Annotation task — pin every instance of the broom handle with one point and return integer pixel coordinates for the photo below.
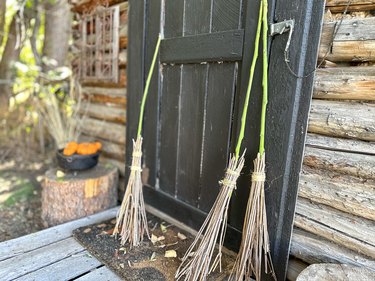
(265, 77)
(145, 93)
(251, 76)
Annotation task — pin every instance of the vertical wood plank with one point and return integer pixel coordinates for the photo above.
(218, 119)
(197, 17)
(135, 72)
(251, 138)
(191, 107)
(219, 105)
(174, 16)
(197, 20)
(289, 102)
(169, 117)
(151, 117)
(169, 110)
(226, 14)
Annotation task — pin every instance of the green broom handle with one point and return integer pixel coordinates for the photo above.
(265, 77)
(145, 93)
(252, 69)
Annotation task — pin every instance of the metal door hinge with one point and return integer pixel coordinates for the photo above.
(280, 28)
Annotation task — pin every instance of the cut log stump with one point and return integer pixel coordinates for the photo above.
(78, 194)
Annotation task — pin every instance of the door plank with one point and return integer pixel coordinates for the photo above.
(151, 117)
(218, 119)
(169, 117)
(192, 100)
(203, 47)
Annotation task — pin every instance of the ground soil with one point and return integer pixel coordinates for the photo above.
(21, 173)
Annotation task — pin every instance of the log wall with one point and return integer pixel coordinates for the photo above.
(103, 107)
(335, 213)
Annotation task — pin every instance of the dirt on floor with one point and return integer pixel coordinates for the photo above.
(155, 260)
(21, 174)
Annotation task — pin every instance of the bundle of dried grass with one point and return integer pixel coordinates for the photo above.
(255, 238)
(196, 264)
(132, 214)
(62, 120)
(131, 221)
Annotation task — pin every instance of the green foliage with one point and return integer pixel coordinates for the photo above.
(23, 191)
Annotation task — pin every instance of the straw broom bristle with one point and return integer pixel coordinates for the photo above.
(131, 222)
(255, 238)
(197, 262)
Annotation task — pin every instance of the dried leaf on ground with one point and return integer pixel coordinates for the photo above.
(170, 254)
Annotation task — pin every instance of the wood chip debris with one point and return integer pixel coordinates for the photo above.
(181, 236)
(155, 238)
(87, 230)
(60, 174)
(153, 257)
(170, 254)
(102, 225)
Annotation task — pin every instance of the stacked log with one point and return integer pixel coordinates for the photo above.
(335, 212)
(103, 103)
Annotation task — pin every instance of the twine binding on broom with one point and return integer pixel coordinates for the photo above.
(197, 262)
(131, 218)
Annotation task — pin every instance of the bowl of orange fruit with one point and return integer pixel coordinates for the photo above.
(79, 156)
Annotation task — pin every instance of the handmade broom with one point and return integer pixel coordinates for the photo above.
(255, 238)
(131, 221)
(197, 262)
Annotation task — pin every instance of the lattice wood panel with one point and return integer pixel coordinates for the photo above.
(100, 45)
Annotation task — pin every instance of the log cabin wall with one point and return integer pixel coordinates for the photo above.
(103, 108)
(335, 213)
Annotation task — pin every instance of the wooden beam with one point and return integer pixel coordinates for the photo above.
(105, 130)
(347, 193)
(81, 6)
(203, 47)
(339, 144)
(110, 149)
(345, 83)
(354, 41)
(123, 80)
(334, 272)
(295, 267)
(343, 162)
(103, 112)
(105, 95)
(119, 164)
(314, 249)
(343, 119)
(344, 229)
(339, 6)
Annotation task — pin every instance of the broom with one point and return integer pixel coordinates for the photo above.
(198, 260)
(131, 221)
(255, 238)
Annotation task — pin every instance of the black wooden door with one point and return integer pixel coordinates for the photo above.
(192, 115)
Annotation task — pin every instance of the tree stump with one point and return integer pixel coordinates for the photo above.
(78, 194)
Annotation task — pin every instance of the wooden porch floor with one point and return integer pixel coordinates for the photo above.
(53, 254)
